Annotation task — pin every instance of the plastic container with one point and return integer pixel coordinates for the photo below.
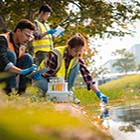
(57, 84)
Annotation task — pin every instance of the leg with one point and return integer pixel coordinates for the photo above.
(72, 76)
(43, 84)
(11, 81)
(71, 81)
(24, 62)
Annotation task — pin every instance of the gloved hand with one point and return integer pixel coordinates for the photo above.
(28, 70)
(37, 76)
(102, 97)
(51, 31)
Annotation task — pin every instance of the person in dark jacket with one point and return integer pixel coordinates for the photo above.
(13, 57)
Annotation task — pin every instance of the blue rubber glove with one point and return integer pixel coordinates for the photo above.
(28, 70)
(52, 31)
(102, 97)
(37, 76)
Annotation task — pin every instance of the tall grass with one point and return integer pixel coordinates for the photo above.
(35, 118)
(120, 91)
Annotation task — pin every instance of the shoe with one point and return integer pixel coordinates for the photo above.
(73, 98)
(76, 101)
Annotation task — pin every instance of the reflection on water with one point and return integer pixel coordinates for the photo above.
(123, 123)
(129, 114)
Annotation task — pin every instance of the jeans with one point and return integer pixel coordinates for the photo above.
(23, 62)
(43, 83)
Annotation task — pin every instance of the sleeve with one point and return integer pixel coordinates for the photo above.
(51, 63)
(86, 74)
(4, 61)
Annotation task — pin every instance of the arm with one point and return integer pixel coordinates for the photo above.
(5, 63)
(51, 64)
(90, 83)
(39, 35)
(14, 69)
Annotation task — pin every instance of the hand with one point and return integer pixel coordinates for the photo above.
(37, 76)
(102, 97)
(52, 31)
(28, 70)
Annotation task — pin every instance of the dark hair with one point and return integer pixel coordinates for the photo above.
(25, 24)
(45, 8)
(76, 40)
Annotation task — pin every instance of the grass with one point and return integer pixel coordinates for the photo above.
(124, 90)
(34, 118)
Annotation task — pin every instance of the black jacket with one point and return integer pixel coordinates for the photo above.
(3, 51)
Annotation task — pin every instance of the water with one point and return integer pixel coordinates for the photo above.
(123, 123)
(129, 114)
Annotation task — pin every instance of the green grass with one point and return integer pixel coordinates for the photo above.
(121, 91)
(34, 118)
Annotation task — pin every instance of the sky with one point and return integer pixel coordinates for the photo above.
(107, 46)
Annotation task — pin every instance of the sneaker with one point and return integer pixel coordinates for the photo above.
(76, 101)
(73, 98)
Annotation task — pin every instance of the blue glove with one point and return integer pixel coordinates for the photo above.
(102, 97)
(28, 70)
(52, 31)
(37, 76)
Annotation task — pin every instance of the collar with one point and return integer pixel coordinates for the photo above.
(16, 45)
(42, 21)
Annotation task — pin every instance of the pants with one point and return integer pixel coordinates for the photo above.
(23, 62)
(43, 83)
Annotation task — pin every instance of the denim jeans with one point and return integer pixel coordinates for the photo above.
(23, 62)
(43, 83)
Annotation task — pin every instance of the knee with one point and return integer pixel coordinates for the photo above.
(28, 57)
(25, 61)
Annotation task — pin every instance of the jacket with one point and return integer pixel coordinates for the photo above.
(46, 43)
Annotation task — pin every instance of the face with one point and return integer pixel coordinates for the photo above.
(45, 15)
(24, 36)
(75, 52)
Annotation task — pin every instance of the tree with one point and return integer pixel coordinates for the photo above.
(91, 17)
(125, 61)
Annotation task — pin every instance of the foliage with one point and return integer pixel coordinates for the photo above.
(125, 62)
(101, 71)
(91, 17)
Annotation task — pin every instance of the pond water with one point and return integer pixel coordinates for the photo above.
(123, 123)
